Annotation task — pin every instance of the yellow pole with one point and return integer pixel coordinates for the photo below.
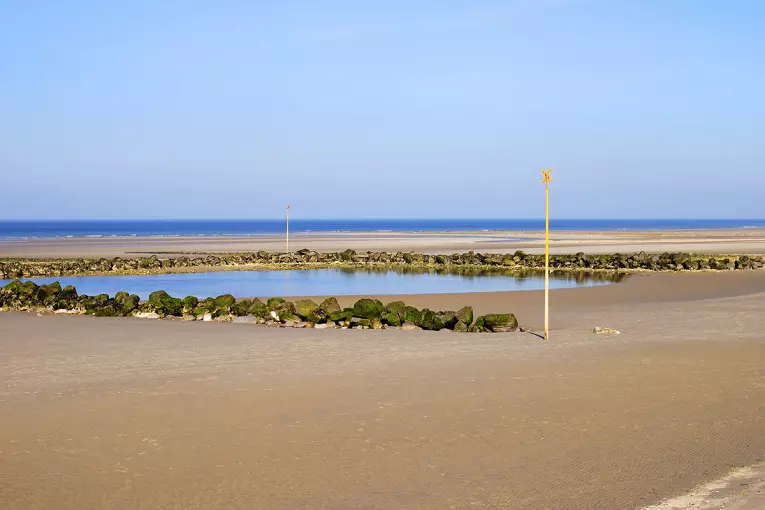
(547, 179)
(288, 229)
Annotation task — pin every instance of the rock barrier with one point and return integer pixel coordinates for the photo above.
(307, 259)
(366, 313)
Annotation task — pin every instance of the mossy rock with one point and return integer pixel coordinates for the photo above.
(448, 319)
(304, 308)
(348, 255)
(500, 322)
(164, 304)
(67, 298)
(342, 315)
(478, 326)
(285, 311)
(391, 319)
(48, 293)
(274, 302)
(366, 308)
(465, 314)
(125, 302)
(411, 314)
(429, 320)
(330, 305)
(241, 308)
(199, 311)
(189, 303)
(224, 301)
(92, 304)
(396, 307)
(258, 309)
(460, 327)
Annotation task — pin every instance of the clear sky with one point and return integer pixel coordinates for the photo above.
(393, 108)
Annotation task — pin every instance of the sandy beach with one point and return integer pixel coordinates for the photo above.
(129, 413)
(724, 241)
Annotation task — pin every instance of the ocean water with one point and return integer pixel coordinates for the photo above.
(29, 229)
(318, 282)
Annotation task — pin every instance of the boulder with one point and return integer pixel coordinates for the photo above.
(460, 327)
(304, 308)
(163, 304)
(241, 308)
(258, 309)
(391, 319)
(411, 314)
(368, 308)
(330, 306)
(224, 301)
(189, 303)
(465, 315)
(500, 322)
(125, 302)
(396, 307)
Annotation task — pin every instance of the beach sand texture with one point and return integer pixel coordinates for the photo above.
(125, 413)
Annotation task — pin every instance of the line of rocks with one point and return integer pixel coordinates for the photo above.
(366, 313)
(16, 268)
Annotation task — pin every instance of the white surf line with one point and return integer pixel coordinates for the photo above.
(741, 489)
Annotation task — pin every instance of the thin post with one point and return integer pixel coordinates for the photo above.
(288, 230)
(546, 180)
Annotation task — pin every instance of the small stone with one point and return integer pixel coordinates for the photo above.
(606, 331)
(322, 326)
(409, 326)
(247, 319)
(207, 317)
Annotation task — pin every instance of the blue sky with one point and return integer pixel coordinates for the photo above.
(394, 108)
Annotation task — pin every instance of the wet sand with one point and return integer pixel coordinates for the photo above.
(728, 241)
(125, 413)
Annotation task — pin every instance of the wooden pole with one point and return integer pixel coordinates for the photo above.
(288, 230)
(547, 179)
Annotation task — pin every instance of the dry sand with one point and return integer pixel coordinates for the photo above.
(699, 241)
(131, 414)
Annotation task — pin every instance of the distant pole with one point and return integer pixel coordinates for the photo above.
(547, 180)
(288, 229)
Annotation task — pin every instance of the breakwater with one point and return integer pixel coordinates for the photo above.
(307, 259)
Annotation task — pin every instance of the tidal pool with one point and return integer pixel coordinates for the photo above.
(327, 282)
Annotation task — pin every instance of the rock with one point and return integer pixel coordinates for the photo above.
(430, 321)
(323, 326)
(163, 304)
(189, 317)
(126, 302)
(285, 310)
(241, 308)
(146, 315)
(411, 314)
(207, 317)
(224, 301)
(258, 309)
(396, 307)
(461, 327)
(448, 319)
(342, 316)
(409, 326)
(249, 319)
(391, 319)
(304, 308)
(274, 316)
(368, 308)
(274, 302)
(500, 322)
(330, 306)
(605, 331)
(189, 303)
(465, 315)
(478, 326)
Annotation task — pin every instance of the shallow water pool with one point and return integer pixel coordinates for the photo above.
(324, 282)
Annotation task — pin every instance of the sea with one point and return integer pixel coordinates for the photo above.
(32, 229)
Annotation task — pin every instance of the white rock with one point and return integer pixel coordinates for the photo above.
(147, 315)
(275, 316)
(244, 320)
(606, 331)
(409, 326)
(207, 317)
